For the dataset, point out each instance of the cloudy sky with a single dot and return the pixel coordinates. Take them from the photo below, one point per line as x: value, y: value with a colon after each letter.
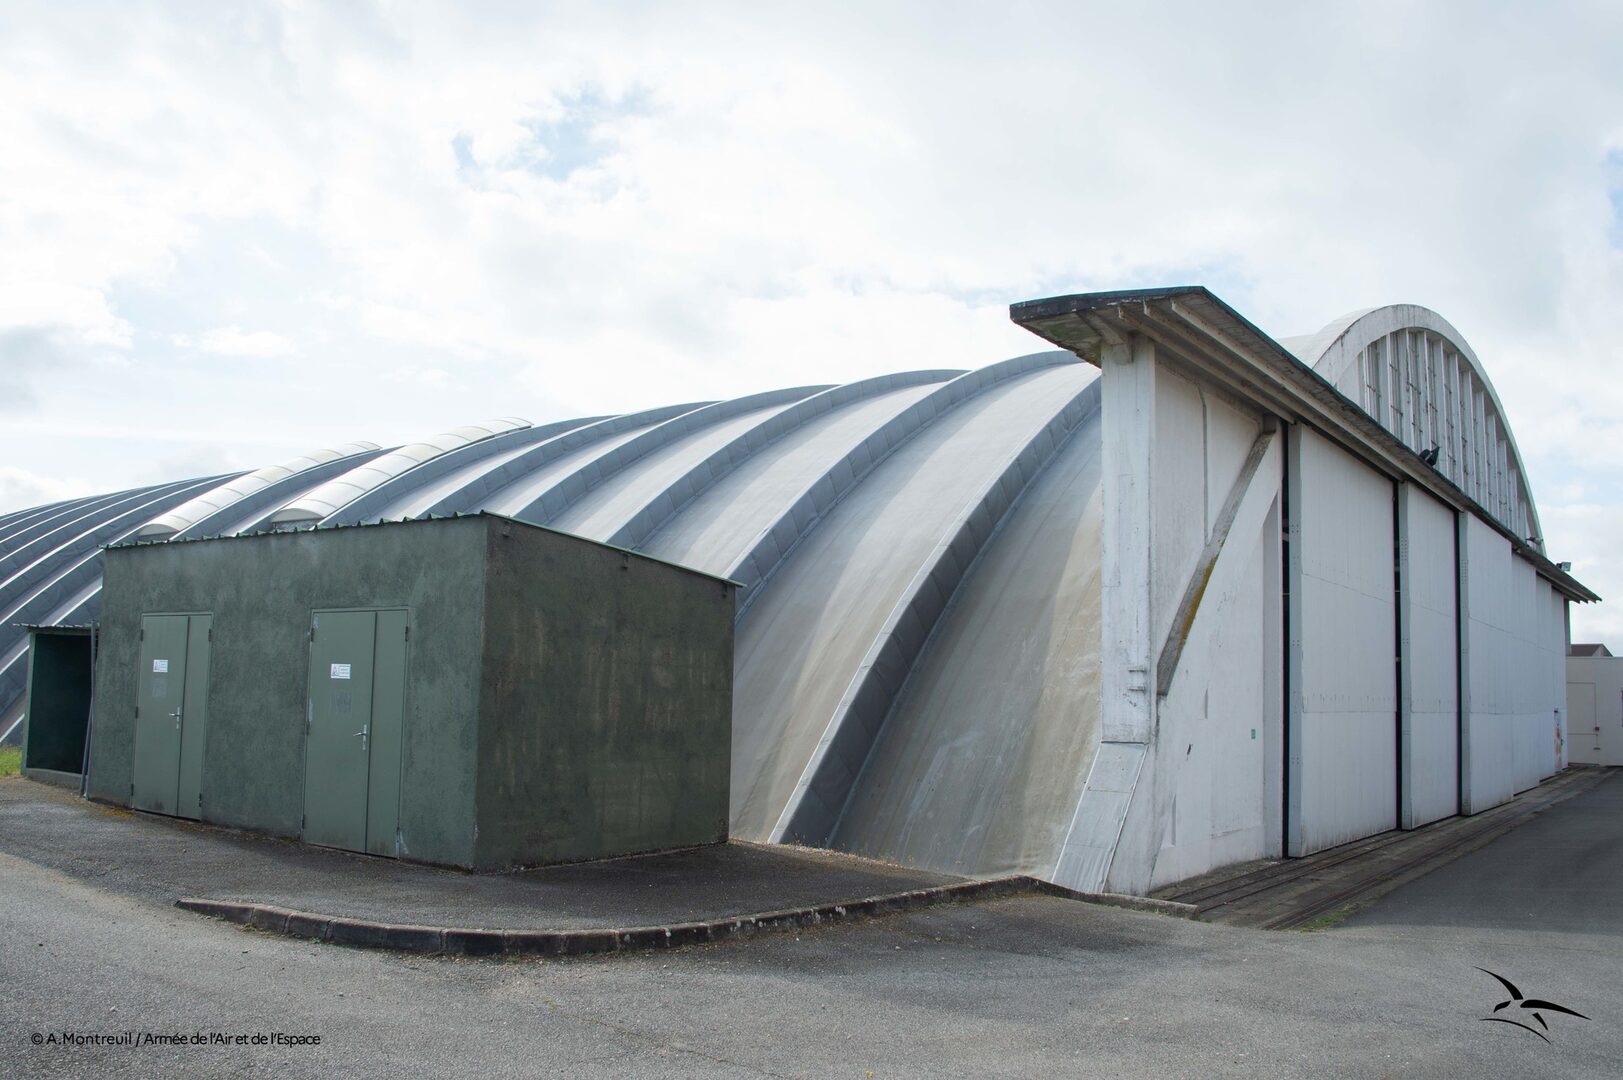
x: 230, y: 233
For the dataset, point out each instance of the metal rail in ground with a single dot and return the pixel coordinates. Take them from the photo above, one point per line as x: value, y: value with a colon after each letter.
x: 1292, y: 893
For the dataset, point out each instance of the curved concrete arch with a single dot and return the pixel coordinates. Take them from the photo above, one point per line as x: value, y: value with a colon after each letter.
x: 997, y: 722
x: 1341, y: 353
x: 768, y: 553
x: 23, y: 590
x: 27, y: 523
x: 16, y: 518
x: 340, y: 491
x: 473, y: 495
x: 604, y: 509
x: 680, y: 493
x: 229, y: 495
x: 566, y: 492
x: 414, y: 496
x: 40, y: 525
x: 1309, y: 347
x: 819, y: 799
x: 803, y: 643
x: 715, y: 529
x: 233, y: 518
x: 371, y: 504
x: 11, y: 516
x: 28, y: 563
x: 19, y: 605
x: 80, y: 609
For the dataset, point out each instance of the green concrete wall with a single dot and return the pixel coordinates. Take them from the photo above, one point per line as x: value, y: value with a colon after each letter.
x: 564, y: 700
x: 606, y: 706
x: 261, y: 591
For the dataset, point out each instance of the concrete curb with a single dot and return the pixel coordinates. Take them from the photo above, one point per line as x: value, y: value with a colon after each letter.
x: 452, y: 941
x: 1122, y: 900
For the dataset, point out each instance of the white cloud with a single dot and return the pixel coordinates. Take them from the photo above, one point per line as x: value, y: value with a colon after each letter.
x: 1590, y: 531
x: 235, y: 341
x: 20, y: 487
x: 590, y: 208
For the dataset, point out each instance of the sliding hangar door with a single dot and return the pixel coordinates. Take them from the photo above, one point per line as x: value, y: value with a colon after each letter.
x: 1374, y: 740
x: 1342, y: 741
x: 1416, y: 654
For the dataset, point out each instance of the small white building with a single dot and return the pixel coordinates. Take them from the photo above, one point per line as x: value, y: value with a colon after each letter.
x: 1595, y: 703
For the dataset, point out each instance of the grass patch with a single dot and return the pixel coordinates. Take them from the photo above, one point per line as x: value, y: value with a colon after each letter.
x: 1326, y: 922
x: 11, y: 760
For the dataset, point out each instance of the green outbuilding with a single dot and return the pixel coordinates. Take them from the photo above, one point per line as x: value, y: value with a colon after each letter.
x: 471, y: 691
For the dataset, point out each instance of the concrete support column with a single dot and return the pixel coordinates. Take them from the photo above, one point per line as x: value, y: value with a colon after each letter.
x: 1127, y: 697
x: 1405, y: 658
x: 1294, y: 658
x: 1463, y: 557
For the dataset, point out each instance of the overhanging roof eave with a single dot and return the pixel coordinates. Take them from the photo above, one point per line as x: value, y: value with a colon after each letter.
x: 1239, y: 356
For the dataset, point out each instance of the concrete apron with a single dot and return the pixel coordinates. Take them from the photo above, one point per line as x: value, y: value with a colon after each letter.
x: 452, y: 941
x: 1295, y: 893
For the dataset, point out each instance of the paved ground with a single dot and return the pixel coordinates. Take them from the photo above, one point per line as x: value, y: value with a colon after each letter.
x: 162, y: 859
x: 1284, y: 894
x: 1558, y: 876
x: 1019, y: 987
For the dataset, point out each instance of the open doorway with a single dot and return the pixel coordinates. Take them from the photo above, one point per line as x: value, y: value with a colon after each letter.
x: 60, y: 668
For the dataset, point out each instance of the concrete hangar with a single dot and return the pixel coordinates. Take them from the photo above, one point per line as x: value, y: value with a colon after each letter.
x: 1172, y: 596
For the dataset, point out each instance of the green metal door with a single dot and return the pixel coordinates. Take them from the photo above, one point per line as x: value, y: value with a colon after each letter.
x: 194, y: 727
x: 388, y: 712
x: 339, y: 719
x: 159, y: 713
x: 171, y: 714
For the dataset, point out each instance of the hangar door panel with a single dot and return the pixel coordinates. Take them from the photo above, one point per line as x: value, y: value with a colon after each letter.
x: 1431, y: 774
x: 1344, y: 739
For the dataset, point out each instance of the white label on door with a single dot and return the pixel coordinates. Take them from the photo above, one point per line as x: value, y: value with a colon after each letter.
x: 160, y: 667
x: 340, y: 671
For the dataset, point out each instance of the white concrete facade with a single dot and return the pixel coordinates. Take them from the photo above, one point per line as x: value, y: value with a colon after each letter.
x: 1372, y: 642
x: 1595, y: 697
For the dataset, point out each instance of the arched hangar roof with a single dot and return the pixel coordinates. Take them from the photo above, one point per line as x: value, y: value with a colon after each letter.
x: 1415, y: 374
x: 919, y: 555
x: 850, y: 514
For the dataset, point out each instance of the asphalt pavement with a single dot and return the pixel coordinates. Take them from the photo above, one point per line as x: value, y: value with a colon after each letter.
x: 1026, y: 986
x: 162, y: 859
x: 1559, y: 875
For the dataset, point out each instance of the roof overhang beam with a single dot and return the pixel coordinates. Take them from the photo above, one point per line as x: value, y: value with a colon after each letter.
x: 1222, y: 347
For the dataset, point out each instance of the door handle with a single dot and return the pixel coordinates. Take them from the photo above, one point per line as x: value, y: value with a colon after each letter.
x: 176, y: 715
x: 361, y: 735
